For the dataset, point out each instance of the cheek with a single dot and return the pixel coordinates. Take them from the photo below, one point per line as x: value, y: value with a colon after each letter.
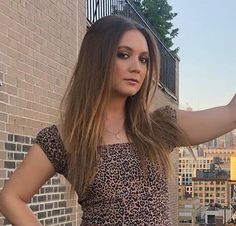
x: 119, y: 69
x: 144, y: 77
x: 144, y: 74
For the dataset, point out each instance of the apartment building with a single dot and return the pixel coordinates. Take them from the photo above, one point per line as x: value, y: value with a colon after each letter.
x: 211, y: 191
x: 206, y: 179
x: 39, y: 44
x: 205, y: 158
x: 188, y: 166
x: 227, y: 140
x: 221, y: 156
x: 189, y: 211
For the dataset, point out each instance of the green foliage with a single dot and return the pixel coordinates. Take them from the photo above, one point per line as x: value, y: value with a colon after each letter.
x: 159, y: 14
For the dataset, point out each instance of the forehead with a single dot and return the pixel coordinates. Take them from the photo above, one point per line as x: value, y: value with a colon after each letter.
x: 135, y: 40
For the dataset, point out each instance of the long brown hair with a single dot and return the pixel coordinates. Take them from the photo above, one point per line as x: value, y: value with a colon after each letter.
x: 85, y: 99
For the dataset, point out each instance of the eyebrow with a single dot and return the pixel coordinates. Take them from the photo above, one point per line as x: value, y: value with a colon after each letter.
x: 130, y: 49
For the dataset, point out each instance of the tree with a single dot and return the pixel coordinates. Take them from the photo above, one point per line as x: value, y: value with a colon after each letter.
x: 159, y: 14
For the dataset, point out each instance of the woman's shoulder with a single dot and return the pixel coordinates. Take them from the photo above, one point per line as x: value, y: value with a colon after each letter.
x: 49, y: 134
x: 165, y: 111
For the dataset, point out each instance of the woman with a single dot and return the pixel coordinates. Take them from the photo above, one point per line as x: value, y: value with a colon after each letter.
x: 112, y: 150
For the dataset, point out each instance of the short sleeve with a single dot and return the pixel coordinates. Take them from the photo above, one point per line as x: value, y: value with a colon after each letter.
x: 51, y: 143
x: 168, y: 111
x: 167, y: 121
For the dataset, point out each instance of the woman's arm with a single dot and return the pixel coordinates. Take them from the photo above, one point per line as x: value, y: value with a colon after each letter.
x: 27, y: 179
x: 205, y: 125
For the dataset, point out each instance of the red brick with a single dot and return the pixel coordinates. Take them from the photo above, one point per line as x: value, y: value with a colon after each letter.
x: 3, y: 28
x: 3, y: 117
x: 7, y: 3
x: 3, y: 107
x: 3, y: 68
x: 4, y: 97
x: 24, y: 50
x: 4, y: 9
x: 6, y: 20
x: 2, y: 126
x: 15, y: 35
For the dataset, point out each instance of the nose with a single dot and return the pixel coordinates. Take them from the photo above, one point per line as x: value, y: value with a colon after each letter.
x: 135, y: 65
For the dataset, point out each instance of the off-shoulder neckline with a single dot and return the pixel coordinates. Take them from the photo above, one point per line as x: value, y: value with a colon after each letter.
x: 117, y: 144
x: 104, y: 145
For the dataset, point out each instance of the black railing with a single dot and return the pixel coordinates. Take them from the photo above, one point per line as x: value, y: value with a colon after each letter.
x: 97, y: 9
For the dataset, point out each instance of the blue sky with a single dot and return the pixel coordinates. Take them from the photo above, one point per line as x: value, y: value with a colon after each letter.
x: 207, y: 41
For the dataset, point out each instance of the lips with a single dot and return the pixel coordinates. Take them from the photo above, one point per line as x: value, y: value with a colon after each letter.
x: 132, y: 80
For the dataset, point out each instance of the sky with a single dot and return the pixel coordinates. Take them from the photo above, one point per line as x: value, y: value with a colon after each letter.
x: 207, y: 41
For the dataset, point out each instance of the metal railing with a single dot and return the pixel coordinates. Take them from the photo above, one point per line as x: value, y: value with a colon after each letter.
x: 97, y: 9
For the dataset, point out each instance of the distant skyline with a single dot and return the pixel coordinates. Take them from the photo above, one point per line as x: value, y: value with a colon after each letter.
x: 207, y: 41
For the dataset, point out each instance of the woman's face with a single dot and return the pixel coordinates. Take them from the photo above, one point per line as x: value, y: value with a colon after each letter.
x: 130, y: 64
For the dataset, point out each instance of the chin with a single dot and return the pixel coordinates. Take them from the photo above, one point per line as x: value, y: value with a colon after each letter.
x: 126, y: 92
x: 131, y: 93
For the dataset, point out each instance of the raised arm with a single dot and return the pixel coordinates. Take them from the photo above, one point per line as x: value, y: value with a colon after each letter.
x: 205, y: 125
x: 34, y: 171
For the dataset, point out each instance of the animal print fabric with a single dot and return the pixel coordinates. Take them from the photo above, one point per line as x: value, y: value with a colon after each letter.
x: 119, y: 194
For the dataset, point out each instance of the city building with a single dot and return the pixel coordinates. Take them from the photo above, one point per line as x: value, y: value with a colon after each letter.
x: 232, y: 220
x: 189, y: 212
x: 227, y: 140
x: 207, y: 180
x: 216, y: 216
x: 188, y: 165
x: 211, y: 187
x: 221, y: 156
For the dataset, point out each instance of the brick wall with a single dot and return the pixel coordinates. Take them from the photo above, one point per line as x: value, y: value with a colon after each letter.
x: 39, y: 42
x: 160, y: 99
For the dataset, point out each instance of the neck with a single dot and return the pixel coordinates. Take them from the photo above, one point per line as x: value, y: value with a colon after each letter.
x: 115, y: 109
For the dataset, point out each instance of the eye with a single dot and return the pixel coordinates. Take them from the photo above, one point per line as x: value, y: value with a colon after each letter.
x: 122, y: 55
x: 144, y: 60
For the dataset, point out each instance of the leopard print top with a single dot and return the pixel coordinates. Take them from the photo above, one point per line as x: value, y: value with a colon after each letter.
x: 119, y: 193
